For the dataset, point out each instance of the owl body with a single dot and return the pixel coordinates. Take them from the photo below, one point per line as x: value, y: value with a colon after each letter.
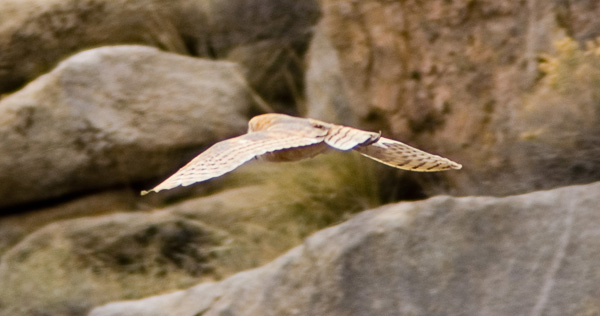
x: 288, y: 124
x: 278, y: 137
x: 311, y: 128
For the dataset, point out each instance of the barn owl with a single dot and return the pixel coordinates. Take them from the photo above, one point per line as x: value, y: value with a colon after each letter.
x: 279, y: 137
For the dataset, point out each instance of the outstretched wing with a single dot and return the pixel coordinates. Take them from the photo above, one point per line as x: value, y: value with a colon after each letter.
x: 229, y: 154
x: 346, y: 138
x: 400, y: 155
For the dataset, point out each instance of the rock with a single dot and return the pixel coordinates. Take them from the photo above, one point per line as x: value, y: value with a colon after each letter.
x: 532, y: 254
x: 455, y: 78
x: 115, y: 116
x: 559, y: 125
x: 268, y: 208
x: 326, y: 97
x: 36, y: 35
x: 268, y: 38
x: 15, y: 227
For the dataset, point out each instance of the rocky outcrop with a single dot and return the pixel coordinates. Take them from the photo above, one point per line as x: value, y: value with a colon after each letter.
x: 268, y: 38
x: 457, y: 77
x: 85, y: 125
x: 533, y: 254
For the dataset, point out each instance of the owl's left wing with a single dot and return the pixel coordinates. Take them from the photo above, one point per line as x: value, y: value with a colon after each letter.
x: 400, y: 155
x: 229, y: 154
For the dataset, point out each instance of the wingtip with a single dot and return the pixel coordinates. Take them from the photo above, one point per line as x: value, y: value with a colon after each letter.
x: 144, y: 192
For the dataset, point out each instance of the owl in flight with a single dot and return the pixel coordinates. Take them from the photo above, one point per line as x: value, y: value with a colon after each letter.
x: 279, y: 137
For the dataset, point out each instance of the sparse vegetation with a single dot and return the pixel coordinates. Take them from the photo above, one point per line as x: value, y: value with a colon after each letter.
x: 560, y: 121
x: 569, y: 93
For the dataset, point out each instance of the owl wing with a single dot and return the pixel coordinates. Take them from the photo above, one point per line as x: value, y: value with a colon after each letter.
x: 229, y: 154
x: 346, y: 138
x: 400, y: 155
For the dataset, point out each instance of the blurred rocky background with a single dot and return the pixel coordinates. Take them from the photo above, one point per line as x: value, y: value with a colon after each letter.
x: 100, y: 99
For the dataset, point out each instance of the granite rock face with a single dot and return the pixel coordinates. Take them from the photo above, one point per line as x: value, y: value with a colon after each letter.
x: 85, y: 125
x: 471, y: 80
x: 533, y: 254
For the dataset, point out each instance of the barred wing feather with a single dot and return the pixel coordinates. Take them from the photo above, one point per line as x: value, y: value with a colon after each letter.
x: 346, y: 138
x: 400, y: 155
x: 229, y: 154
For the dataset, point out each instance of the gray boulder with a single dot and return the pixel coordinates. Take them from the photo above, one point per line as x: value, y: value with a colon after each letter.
x: 534, y: 254
x: 115, y: 116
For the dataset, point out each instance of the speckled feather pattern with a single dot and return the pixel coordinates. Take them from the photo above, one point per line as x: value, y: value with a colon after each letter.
x: 400, y: 155
x: 279, y: 137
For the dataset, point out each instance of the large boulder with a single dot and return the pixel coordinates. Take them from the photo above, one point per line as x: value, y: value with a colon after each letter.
x: 268, y: 38
x: 115, y: 116
x: 533, y: 254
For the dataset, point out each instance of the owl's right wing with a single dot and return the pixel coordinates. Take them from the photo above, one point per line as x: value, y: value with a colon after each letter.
x: 229, y: 154
x: 400, y: 155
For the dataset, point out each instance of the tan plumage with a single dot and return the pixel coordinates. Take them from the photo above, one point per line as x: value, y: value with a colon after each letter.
x: 279, y: 137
